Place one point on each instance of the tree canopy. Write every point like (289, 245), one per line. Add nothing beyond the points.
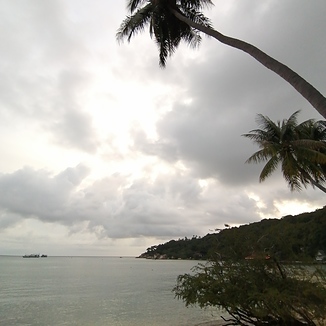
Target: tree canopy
(257, 292)
(300, 149)
(293, 238)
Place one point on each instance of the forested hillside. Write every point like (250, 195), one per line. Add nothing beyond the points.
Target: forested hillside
(289, 238)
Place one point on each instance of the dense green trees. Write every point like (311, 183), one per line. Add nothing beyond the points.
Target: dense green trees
(194, 248)
(300, 149)
(293, 238)
(171, 21)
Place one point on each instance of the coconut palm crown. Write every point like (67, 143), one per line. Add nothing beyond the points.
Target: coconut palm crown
(164, 26)
(300, 149)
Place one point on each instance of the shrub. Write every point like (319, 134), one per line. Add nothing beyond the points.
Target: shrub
(258, 291)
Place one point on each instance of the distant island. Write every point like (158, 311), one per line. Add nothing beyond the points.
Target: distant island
(291, 238)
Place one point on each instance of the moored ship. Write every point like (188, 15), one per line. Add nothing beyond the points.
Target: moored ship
(35, 256)
(32, 256)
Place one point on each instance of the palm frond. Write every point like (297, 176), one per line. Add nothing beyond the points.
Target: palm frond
(271, 129)
(313, 172)
(295, 182)
(163, 30)
(135, 23)
(301, 148)
(289, 128)
(165, 51)
(259, 156)
(258, 136)
(164, 27)
(311, 156)
(197, 17)
(269, 168)
(292, 173)
(195, 4)
(134, 4)
(293, 119)
(168, 32)
(309, 144)
(311, 129)
(193, 39)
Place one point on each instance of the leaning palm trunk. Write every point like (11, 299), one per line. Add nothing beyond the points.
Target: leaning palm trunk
(319, 186)
(310, 93)
(313, 182)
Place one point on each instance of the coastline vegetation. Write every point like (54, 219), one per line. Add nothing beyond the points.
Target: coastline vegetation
(294, 238)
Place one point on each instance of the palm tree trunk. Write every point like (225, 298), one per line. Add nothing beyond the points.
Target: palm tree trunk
(316, 184)
(312, 181)
(310, 93)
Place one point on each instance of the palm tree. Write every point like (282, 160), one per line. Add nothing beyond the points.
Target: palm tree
(171, 21)
(167, 29)
(299, 148)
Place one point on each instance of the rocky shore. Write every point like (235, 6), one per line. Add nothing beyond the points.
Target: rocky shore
(153, 256)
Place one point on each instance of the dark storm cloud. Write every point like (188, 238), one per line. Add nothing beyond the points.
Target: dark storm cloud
(31, 193)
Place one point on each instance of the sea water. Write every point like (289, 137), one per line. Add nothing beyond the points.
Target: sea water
(94, 291)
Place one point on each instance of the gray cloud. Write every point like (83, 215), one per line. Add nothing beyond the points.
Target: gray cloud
(42, 74)
(171, 206)
(37, 194)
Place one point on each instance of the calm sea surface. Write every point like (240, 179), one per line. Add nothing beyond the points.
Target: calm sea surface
(94, 291)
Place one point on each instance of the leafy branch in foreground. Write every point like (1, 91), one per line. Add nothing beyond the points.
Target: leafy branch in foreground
(257, 292)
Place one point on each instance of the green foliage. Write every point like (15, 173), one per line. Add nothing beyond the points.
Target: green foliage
(257, 292)
(290, 238)
(194, 248)
(299, 149)
(164, 27)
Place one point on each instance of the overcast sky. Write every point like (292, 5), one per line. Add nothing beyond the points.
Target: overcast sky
(105, 153)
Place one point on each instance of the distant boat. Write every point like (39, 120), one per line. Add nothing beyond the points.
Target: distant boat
(31, 256)
(44, 256)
